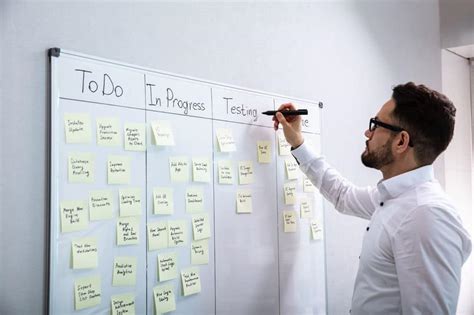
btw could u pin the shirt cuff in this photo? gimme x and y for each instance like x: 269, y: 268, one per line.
x: 304, y: 153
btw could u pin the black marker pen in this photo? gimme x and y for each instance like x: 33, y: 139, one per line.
x: 286, y: 112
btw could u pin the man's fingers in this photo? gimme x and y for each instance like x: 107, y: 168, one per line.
x: 287, y: 106
x: 281, y: 119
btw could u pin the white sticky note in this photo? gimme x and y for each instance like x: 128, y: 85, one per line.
x: 74, y: 214
x: 108, y: 131
x: 84, y: 253
x: 162, y: 133
x: 284, y: 147
x: 167, y: 266
x: 244, y: 201
x: 135, y: 137
x: 289, y: 221
x: 163, y: 200
x: 289, y: 189
x: 81, y: 168
x: 201, y: 170
x: 164, y: 297
x: 179, y: 169
x: 264, y: 151
x: 316, y: 230
x: 130, y: 202
x: 307, y: 185
x: 194, y: 200
x: 225, y: 172
x: 177, y: 233
x: 190, y: 281
x: 201, y: 227
x: 87, y: 292
x: 77, y: 128
x: 157, y: 235
x: 200, y: 252
x: 100, y: 205
x: 225, y: 140
x: 118, y: 169
x: 291, y: 168
x: 123, y: 304
x: 245, y: 172
x: 306, y: 210
x: 128, y: 231
x: 125, y: 271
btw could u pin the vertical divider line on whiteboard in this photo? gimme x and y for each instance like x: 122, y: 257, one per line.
x: 278, y: 215
x: 146, y: 195
x: 214, y: 200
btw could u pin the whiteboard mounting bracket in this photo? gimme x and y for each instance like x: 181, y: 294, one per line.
x: 54, y: 52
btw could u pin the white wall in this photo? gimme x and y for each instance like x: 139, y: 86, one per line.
x: 457, y: 23
x: 346, y: 54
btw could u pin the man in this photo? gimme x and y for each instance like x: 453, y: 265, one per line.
x: 415, y: 245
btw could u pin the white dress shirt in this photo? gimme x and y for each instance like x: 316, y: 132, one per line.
x: 415, y: 244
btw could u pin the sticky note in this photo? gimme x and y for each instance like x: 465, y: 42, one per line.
x: 128, y: 231
x: 108, y: 132
x: 74, y: 215
x: 194, y: 200
x: 225, y: 172
x: 289, y: 221
x: 245, y: 172
x: 177, y: 233
x: 157, y: 235
x: 201, y: 170
x: 289, y: 190
x: 190, y: 281
x: 163, y: 202
x: 307, y: 185
x: 291, y: 168
x: 201, y: 227
x: 284, y: 147
x: 84, y: 253
x: 305, y: 209
x: 264, y: 151
x: 125, y: 271
x: 100, y: 205
x: 225, y: 140
x: 200, y: 252
x: 179, y: 169
x: 81, y: 168
x: 87, y: 292
x: 135, y: 137
x: 123, y: 304
x: 77, y: 128
x: 316, y: 230
x: 167, y: 266
x: 130, y: 202
x: 118, y: 169
x: 244, y: 201
x: 162, y: 133
x: 165, y: 300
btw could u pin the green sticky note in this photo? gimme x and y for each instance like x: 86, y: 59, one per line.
x: 87, y: 292
x: 177, y: 233
x: 123, y: 304
x: 305, y: 209
x: 130, y: 202
x: 244, y: 201
x: 100, y: 205
x: 162, y: 133
x: 245, y: 172
x: 225, y: 172
x: 200, y: 252
x: 74, y: 215
x: 201, y: 227
x: 316, y: 230
x: 77, y: 127
x: 167, y: 266
x: 125, y: 271
x: 108, y: 131
x: 264, y: 151
x: 284, y: 147
x: 289, y: 221
x: 164, y: 299
x: 289, y: 190
x: 190, y: 281
x: 194, y: 200
x: 179, y: 169
x: 81, y: 168
x: 128, y: 231
x: 291, y: 168
x: 157, y: 235
x: 118, y: 169
x: 135, y: 137
x: 225, y: 140
x: 201, y: 170
x: 163, y: 200
x: 84, y: 253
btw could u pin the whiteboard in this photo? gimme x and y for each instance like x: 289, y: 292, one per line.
x: 254, y: 266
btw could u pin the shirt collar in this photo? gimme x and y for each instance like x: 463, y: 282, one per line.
x: 395, y: 186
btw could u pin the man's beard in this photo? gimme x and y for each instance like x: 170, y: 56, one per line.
x: 378, y: 159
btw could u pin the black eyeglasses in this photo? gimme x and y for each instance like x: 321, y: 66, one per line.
x: 374, y: 123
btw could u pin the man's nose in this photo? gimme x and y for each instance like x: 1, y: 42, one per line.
x: 368, y: 133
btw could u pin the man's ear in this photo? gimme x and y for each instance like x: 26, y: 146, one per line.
x: 403, y: 141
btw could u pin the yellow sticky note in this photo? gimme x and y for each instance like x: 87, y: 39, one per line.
x: 130, y: 202
x: 307, y: 185
x: 194, y: 200
x: 128, y: 230
x: 84, y: 253
x: 108, y: 132
x: 289, y: 221
x: 162, y: 133
x: 291, y: 168
x: 177, y: 233
x: 118, y: 169
x: 179, y: 169
x: 225, y: 140
x: 305, y: 209
x: 77, y: 128
x: 74, y: 215
x: 201, y: 227
x: 135, y: 137
x: 157, y: 235
x: 245, y: 172
x: 200, y: 252
x: 244, y: 201
x: 87, y: 292
x: 190, y: 281
x: 100, y: 205
x: 316, y: 230
x: 284, y: 147
x: 123, y: 304
x: 264, y: 151
x: 225, y: 172
x: 201, y: 170
x: 163, y: 200
x: 165, y: 300
x: 289, y: 190
x: 125, y: 271
x: 81, y: 168
x: 167, y: 266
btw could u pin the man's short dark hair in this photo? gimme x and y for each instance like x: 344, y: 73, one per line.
x: 428, y: 116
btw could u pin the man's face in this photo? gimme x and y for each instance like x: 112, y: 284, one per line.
x: 378, y: 151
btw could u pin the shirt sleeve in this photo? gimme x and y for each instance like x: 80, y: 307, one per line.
x: 429, y: 249
x: 346, y: 198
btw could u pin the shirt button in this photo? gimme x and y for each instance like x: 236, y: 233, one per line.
x: 381, y: 204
